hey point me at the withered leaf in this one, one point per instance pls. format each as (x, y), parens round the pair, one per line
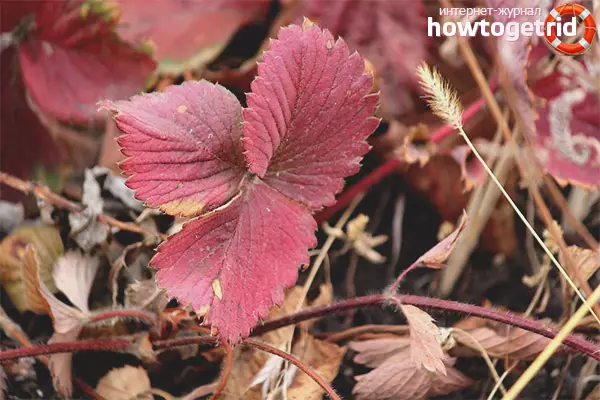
(437, 255)
(499, 340)
(399, 378)
(48, 247)
(125, 383)
(425, 348)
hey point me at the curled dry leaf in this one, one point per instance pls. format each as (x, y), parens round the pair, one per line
(15, 274)
(425, 348)
(248, 362)
(74, 274)
(586, 261)
(85, 229)
(437, 255)
(125, 383)
(146, 295)
(324, 357)
(358, 239)
(396, 377)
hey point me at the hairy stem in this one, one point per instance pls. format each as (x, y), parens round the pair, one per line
(576, 342)
(66, 347)
(297, 362)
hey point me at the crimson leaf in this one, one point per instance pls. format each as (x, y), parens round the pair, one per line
(173, 27)
(72, 58)
(390, 36)
(568, 131)
(238, 260)
(184, 147)
(186, 155)
(308, 88)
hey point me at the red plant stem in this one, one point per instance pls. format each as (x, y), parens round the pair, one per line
(149, 319)
(184, 341)
(394, 288)
(576, 342)
(66, 347)
(297, 362)
(389, 166)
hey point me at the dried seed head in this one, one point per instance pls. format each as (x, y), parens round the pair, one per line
(443, 101)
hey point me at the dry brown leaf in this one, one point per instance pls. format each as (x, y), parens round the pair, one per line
(146, 295)
(586, 261)
(324, 357)
(594, 394)
(398, 377)
(74, 274)
(248, 362)
(48, 247)
(126, 383)
(437, 255)
(425, 348)
(85, 229)
(498, 340)
(33, 296)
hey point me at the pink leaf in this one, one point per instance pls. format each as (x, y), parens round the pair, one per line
(72, 59)
(425, 349)
(24, 143)
(438, 254)
(187, 34)
(568, 132)
(309, 102)
(237, 260)
(184, 146)
(397, 376)
(391, 36)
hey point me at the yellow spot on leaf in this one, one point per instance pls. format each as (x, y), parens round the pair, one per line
(184, 208)
(216, 285)
(329, 44)
(180, 185)
(348, 93)
(182, 108)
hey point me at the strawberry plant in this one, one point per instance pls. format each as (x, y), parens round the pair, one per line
(262, 199)
(252, 175)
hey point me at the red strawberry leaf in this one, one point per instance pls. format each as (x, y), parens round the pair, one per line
(72, 58)
(173, 27)
(568, 132)
(184, 146)
(309, 102)
(186, 156)
(392, 37)
(25, 143)
(237, 261)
